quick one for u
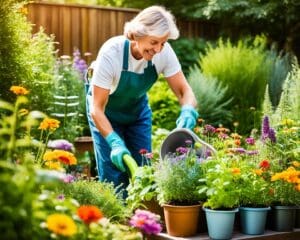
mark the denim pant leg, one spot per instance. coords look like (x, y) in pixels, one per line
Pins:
(107, 171)
(138, 136)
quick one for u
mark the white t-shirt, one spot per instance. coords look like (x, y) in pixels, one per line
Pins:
(109, 63)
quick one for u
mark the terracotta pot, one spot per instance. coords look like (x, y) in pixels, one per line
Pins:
(181, 221)
(84, 143)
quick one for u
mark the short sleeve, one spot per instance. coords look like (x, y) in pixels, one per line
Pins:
(171, 64)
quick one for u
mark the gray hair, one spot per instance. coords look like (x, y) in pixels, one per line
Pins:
(152, 21)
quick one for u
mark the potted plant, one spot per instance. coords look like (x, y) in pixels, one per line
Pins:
(281, 144)
(221, 180)
(254, 196)
(177, 177)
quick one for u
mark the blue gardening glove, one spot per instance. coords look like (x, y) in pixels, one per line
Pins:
(118, 149)
(187, 118)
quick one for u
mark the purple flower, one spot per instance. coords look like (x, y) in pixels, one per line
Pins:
(146, 221)
(181, 150)
(252, 152)
(237, 150)
(267, 132)
(61, 144)
(208, 129)
(61, 197)
(68, 178)
(250, 140)
(272, 135)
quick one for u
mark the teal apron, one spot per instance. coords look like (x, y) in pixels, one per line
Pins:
(130, 115)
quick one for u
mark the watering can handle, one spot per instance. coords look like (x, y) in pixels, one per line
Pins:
(131, 164)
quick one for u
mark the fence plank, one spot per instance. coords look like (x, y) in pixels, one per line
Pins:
(88, 27)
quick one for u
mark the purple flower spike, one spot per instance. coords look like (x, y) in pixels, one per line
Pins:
(272, 135)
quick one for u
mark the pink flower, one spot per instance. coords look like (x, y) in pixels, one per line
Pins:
(146, 221)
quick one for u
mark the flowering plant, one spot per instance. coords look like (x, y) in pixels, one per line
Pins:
(143, 188)
(177, 177)
(282, 146)
(147, 222)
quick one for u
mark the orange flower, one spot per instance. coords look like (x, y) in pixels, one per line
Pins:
(222, 130)
(89, 213)
(235, 136)
(49, 123)
(236, 171)
(258, 172)
(19, 90)
(60, 155)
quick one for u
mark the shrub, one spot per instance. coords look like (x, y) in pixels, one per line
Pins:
(164, 105)
(244, 69)
(187, 51)
(100, 194)
(212, 104)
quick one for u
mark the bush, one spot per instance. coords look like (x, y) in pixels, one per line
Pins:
(100, 194)
(245, 70)
(210, 95)
(164, 105)
(187, 51)
(15, 33)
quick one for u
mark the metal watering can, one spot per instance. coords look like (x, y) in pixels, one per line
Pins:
(176, 138)
(179, 137)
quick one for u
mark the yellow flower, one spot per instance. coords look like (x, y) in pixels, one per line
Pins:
(296, 164)
(54, 165)
(49, 123)
(287, 122)
(61, 156)
(19, 90)
(61, 224)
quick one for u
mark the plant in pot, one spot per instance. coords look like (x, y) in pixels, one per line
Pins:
(254, 197)
(222, 176)
(177, 177)
(281, 145)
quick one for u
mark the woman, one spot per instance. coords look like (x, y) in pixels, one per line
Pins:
(117, 105)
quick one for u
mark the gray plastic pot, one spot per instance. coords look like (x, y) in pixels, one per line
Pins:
(178, 138)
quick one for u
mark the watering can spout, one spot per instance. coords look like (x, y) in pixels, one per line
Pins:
(179, 138)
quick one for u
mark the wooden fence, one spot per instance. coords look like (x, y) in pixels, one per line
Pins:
(88, 27)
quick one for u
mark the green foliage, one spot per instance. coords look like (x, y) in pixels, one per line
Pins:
(100, 194)
(164, 105)
(69, 100)
(289, 105)
(210, 94)
(281, 67)
(244, 78)
(142, 188)
(221, 184)
(277, 19)
(41, 57)
(187, 51)
(15, 33)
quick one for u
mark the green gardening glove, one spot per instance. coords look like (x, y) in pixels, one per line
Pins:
(118, 150)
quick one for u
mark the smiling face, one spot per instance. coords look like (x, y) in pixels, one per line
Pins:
(146, 47)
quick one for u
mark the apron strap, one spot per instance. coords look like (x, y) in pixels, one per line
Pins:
(125, 55)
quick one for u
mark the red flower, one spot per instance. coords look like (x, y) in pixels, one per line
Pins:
(265, 164)
(89, 213)
(143, 151)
